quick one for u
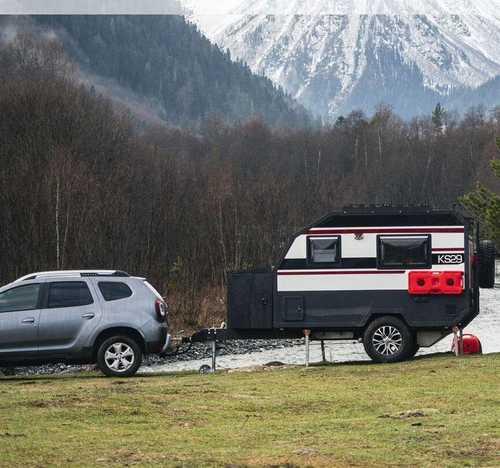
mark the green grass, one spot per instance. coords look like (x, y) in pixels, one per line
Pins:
(439, 411)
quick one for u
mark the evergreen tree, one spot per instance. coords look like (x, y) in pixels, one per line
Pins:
(438, 118)
(485, 204)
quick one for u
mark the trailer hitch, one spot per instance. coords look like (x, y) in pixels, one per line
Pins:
(212, 336)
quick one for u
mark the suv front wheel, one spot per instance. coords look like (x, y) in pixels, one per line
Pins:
(388, 339)
(119, 356)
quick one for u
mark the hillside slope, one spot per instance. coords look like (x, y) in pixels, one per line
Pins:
(165, 60)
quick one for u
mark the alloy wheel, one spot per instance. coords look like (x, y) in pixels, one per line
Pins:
(119, 357)
(387, 340)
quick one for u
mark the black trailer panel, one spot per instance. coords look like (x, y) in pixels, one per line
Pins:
(250, 301)
(354, 309)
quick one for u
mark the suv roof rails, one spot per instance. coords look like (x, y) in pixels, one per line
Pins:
(72, 273)
(116, 273)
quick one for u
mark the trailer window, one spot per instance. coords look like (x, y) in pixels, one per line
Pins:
(404, 252)
(324, 249)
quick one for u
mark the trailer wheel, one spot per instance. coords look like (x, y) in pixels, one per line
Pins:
(486, 259)
(388, 339)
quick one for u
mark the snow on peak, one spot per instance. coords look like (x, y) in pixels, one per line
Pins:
(327, 53)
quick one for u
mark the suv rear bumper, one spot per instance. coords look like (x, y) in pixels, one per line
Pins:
(161, 343)
(166, 344)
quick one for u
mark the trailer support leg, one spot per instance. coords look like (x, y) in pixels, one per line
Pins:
(307, 334)
(214, 355)
(458, 341)
(323, 356)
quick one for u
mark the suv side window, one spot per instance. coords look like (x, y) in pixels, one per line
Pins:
(20, 298)
(69, 294)
(112, 291)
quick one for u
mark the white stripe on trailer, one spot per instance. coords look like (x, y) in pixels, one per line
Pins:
(350, 280)
(367, 246)
(298, 248)
(342, 282)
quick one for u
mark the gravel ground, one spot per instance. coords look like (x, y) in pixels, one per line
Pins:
(196, 352)
(244, 353)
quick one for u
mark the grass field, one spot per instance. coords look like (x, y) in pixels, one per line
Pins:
(436, 411)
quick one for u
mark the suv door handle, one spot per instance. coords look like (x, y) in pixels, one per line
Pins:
(28, 320)
(88, 316)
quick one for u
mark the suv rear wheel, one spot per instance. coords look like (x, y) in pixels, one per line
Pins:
(119, 356)
(388, 339)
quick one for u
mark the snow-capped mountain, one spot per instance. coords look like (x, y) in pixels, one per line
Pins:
(336, 56)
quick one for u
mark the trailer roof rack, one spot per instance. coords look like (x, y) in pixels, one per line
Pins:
(391, 215)
(72, 273)
(390, 208)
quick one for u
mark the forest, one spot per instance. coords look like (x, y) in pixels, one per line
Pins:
(83, 186)
(171, 65)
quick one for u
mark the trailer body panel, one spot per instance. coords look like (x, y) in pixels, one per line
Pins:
(353, 266)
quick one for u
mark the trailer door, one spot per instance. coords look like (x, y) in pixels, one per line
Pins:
(250, 301)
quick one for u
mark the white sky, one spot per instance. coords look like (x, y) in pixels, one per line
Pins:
(342, 7)
(75, 7)
(271, 7)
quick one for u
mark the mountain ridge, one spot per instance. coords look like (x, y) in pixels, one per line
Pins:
(324, 60)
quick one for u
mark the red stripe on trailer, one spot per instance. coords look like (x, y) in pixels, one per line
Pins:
(342, 272)
(387, 231)
(461, 250)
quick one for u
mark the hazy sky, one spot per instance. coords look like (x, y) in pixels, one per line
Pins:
(269, 7)
(69, 7)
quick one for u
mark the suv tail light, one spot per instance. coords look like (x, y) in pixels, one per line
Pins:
(436, 282)
(161, 310)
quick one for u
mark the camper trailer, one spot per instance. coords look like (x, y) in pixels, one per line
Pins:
(394, 278)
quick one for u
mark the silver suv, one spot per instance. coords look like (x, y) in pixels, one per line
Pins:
(87, 316)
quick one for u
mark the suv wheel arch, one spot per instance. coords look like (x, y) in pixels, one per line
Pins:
(114, 331)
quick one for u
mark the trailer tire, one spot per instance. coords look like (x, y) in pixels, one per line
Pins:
(388, 339)
(486, 263)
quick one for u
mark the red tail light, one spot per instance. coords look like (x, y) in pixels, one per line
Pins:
(161, 310)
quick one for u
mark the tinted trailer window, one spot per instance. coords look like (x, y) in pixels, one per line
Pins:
(324, 249)
(404, 252)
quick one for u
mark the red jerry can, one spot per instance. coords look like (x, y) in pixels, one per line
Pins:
(471, 345)
(436, 282)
